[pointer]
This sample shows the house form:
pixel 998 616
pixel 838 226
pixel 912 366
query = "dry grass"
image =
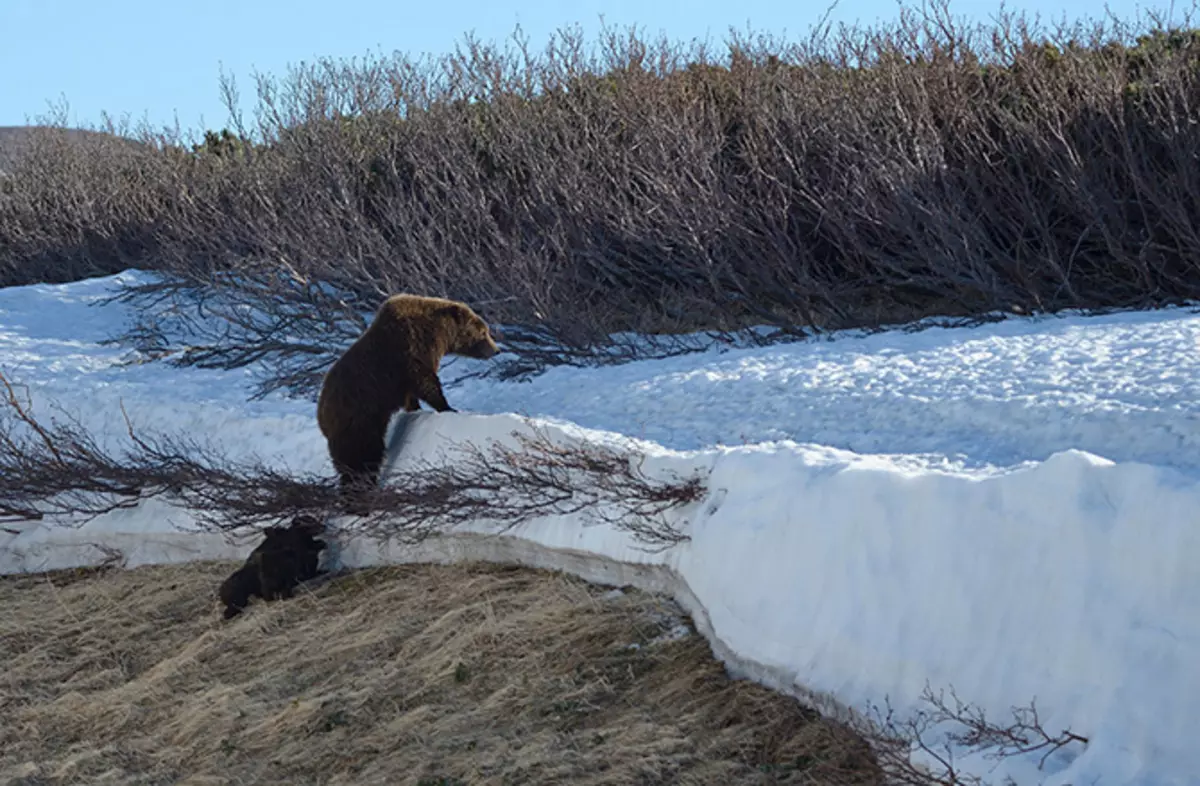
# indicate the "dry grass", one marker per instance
pixel 420 675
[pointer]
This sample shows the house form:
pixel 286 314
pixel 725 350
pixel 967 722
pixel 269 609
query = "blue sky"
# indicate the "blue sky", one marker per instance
pixel 158 59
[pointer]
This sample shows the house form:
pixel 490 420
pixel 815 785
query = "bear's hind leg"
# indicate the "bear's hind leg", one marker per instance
pixel 357 455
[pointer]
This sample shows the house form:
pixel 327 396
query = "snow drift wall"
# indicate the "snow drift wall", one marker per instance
pixel 1072 581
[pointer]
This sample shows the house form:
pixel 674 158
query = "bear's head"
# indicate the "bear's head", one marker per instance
pixel 471 336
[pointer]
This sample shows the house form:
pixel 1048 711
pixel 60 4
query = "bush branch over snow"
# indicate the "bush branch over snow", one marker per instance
pixel 58 469
pixel 928 746
pixel 292 329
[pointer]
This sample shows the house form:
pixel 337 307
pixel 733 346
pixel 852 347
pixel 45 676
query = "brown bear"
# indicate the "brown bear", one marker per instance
pixel 393 364
pixel 286 557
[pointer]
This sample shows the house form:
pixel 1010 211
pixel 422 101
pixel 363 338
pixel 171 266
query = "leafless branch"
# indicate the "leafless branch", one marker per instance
pixel 944 731
pixel 1024 735
pixel 507 486
pixel 58 470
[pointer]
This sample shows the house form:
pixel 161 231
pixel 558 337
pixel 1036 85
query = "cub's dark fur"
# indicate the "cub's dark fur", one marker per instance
pixel 286 557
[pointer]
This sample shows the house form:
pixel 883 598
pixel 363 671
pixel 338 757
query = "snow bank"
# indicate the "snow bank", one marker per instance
pixel 814 570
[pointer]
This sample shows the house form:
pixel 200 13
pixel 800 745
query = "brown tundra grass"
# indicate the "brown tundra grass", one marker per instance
pixel 428 675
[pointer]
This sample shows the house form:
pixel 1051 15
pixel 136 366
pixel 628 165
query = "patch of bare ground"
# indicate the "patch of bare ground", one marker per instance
pixel 468 674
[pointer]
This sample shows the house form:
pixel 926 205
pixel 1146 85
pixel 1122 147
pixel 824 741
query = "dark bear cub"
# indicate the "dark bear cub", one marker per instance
pixel 393 364
pixel 286 557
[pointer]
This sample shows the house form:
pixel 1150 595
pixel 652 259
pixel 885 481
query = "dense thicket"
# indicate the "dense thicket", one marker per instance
pixel 858 177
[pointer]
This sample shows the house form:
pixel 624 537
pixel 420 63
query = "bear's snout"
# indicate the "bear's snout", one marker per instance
pixel 483 349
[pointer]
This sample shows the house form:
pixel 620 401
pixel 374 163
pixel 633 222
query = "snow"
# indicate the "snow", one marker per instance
pixel 1011 510
pixel 1124 386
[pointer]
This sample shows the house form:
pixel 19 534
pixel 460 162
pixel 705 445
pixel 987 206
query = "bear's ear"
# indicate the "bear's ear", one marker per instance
pixel 453 312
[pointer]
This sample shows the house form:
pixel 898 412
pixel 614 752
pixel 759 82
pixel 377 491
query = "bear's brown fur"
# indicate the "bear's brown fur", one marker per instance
pixel 286 557
pixel 393 364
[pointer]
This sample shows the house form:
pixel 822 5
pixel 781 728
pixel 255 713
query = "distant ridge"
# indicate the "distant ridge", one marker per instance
pixel 15 141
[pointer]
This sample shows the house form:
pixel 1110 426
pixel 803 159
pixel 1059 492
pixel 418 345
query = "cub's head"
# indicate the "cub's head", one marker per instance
pixel 275 538
pixel 306 524
pixel 296 538
pixel 471 337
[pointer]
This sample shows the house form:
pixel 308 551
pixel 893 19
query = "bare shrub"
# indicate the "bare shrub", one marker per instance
pixel 945 730
pixel 291 329
pixel 538 478
pixel 58 469
pixel 857 176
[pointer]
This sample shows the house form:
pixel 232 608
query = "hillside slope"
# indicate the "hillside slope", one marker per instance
pixel 15 141
pixel 415 675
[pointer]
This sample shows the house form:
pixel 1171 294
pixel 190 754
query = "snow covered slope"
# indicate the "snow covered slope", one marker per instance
pixel 985 552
